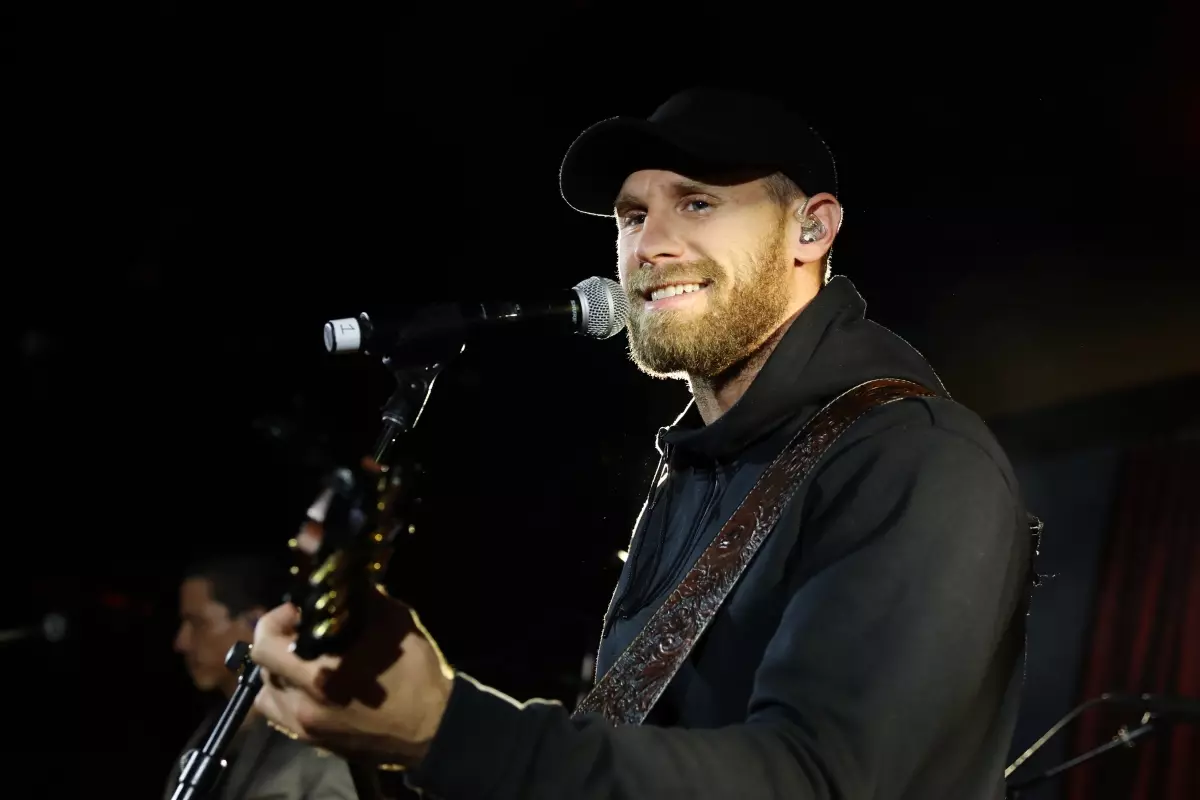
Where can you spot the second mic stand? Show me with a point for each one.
(204, 766)
(1124, 738)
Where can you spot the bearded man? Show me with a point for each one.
(826, 590)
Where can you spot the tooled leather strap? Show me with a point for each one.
(631, 687)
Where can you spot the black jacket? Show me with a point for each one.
(872, 649)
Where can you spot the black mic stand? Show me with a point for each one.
(204, 766)
(1150, 723)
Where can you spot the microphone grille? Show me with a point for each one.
(605, 307)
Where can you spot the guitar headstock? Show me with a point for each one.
(342, 550)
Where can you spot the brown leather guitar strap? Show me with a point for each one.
(631, 687)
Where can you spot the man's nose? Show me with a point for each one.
(659, 242)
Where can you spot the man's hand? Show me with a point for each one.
(381, 702)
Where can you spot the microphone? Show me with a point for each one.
(53, 628)
(596, 308)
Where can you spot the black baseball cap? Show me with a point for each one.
(697, 131)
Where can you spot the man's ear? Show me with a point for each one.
(812, 227)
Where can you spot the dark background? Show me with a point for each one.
(195, 188)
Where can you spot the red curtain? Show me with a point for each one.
(1146, 630)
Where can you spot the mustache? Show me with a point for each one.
(703, 271)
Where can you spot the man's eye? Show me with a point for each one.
(633, 218)
(698, 205)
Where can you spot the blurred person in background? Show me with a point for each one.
(220, 601)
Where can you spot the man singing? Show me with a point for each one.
(873, 647)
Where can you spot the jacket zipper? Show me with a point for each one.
(682, 559)
(653, 582)
(660, 475)
(635, 550)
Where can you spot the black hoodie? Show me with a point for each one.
(872, 649)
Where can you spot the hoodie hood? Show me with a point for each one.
(830, 347)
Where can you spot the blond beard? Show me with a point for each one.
(736, 320)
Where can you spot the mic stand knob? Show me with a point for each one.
(238, 656)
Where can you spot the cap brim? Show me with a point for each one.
(602, 157)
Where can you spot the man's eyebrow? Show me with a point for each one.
(627, 201)
(692, 187)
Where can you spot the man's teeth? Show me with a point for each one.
(671, 291)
